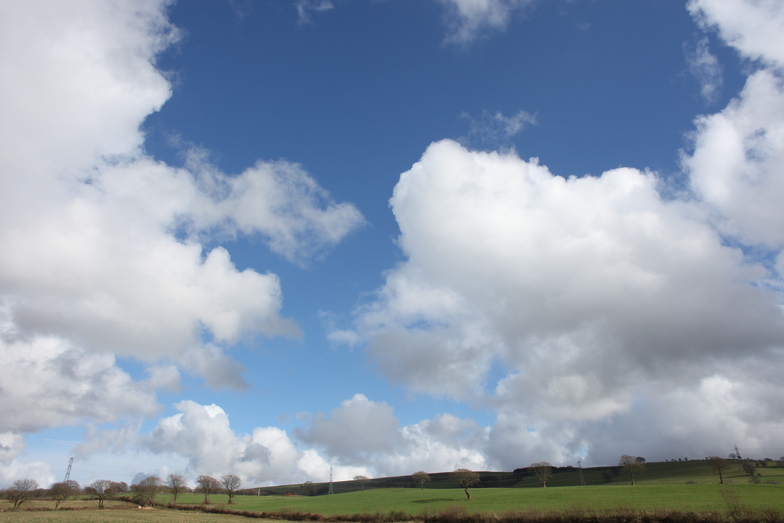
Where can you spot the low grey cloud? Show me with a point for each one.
(355, 431)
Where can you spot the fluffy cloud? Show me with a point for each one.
(202, 436)
(47, 382)
(355, 431)
(736, 163)
(359, 437)
(104, 246)
(612, 310)
(738, 153)
(592, 292)
(366, 433)
(753, 27)
(12, 468)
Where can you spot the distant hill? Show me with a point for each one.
(687, 471)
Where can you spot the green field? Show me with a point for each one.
(652, 497)
(688, 486)
(693, 498)
(119, 516)
(679, 472)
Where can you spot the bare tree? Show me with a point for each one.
(631, 466)
(362, 480)
(421, 477)
(208, 485)
(718, 464)
(542, 471)
(465, 479)
(119, 487)
(176, 484)
(21, 490)
(103, 489)
(231, 483)
(62, 491)
(147, 490)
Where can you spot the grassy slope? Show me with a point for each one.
(683, 486)
(696, 498)
(697, 471)
(686, 485)
(120, 516)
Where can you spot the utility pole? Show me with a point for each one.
(68, 472)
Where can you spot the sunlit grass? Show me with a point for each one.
(694, 498)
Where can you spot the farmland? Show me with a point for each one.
(687, 487)
(694, 498)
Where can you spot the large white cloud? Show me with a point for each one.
(623, 320)
(594, 293)
(202, 434)
(753, 27)
(738, 153)
(103, 245)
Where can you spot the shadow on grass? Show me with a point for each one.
(433, 500)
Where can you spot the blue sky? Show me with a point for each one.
(270, 238)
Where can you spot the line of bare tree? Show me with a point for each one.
(144, 492)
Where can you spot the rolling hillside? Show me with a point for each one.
(673, 472)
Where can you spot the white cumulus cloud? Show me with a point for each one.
(13, 466)
(591, 292)
(753, 27)
(104, 246)
(593, 314)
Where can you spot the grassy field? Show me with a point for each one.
(119, 516)
(694, 471)
(695, 498)
(688, 486)
(685, 498)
